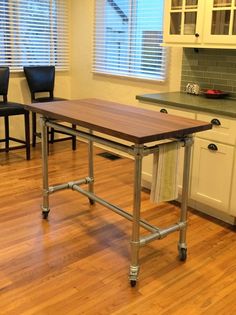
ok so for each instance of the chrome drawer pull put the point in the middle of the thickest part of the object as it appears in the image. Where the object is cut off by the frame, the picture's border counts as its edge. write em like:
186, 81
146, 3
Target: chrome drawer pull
215, 122
212, 147
163, 110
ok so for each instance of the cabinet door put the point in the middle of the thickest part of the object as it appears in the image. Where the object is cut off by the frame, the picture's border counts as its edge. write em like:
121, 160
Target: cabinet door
183, 21
211, 174
220, 26
233, 192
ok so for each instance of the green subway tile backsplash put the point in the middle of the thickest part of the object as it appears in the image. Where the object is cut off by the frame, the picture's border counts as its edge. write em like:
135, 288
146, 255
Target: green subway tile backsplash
210, 68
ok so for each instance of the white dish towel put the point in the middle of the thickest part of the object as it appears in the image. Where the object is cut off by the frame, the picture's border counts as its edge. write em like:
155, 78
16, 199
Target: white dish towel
165, 172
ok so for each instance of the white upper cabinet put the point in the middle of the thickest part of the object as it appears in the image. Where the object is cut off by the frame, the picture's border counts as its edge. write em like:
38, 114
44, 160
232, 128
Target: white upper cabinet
200, 23
183, 21
220, 22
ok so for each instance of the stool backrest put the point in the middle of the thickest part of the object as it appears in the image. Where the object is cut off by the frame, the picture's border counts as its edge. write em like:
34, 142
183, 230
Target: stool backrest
4, 82
40, 79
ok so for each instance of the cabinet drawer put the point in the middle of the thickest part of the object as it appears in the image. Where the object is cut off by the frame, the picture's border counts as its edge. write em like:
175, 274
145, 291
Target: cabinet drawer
223, 129
176, 112
168, 110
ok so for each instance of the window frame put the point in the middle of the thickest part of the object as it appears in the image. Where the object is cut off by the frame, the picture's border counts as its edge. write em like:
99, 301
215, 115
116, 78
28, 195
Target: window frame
101, 66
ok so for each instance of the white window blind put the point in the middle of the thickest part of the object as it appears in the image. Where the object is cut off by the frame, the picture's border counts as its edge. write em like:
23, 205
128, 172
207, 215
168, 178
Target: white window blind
34, 32
127, 39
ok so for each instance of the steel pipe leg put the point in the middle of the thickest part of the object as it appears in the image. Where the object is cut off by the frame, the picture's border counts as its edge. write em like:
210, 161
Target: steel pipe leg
182, 246
91, 168
135, 239
44, 145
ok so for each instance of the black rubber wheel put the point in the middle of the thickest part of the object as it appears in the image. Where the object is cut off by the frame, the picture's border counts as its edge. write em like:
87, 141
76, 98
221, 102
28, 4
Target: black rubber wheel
91, 201
183, 254
45, 214
133, 283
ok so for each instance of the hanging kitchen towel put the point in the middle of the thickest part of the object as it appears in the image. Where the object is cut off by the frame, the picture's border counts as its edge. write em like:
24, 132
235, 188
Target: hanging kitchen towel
165, 172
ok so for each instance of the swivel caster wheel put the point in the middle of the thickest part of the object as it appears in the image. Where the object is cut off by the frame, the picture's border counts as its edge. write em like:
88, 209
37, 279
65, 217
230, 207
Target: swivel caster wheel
183, 254
91, 201
45, 214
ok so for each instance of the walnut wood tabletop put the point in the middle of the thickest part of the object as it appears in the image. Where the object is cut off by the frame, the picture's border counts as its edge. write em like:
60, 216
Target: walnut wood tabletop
122, 121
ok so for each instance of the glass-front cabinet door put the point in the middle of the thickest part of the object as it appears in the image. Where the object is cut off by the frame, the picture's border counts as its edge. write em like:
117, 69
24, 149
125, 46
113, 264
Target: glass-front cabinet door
183, 21
220, 27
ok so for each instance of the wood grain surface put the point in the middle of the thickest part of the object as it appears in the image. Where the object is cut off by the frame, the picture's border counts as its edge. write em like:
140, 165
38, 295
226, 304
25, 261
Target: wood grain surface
122, 121
77, 262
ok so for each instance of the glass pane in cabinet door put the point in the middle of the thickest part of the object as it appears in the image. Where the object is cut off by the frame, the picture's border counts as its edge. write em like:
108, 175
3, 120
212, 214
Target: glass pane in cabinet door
175, 23
191, 4
220, 22
176, 4
222, 3
190, 23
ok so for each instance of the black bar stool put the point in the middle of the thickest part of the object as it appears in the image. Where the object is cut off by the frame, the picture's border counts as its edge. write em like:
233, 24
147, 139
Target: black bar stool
41, 79
8, 109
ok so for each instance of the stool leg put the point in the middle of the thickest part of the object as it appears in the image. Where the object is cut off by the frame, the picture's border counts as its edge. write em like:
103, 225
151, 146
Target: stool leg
52, 135
74, 139
48, 134
27, 135
6, 119
33, 129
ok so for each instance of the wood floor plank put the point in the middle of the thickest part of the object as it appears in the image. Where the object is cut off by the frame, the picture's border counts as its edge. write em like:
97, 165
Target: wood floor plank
77, 261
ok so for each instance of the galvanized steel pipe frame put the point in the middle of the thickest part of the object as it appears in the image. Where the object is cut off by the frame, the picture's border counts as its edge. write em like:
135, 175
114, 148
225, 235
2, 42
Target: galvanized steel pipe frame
138, 151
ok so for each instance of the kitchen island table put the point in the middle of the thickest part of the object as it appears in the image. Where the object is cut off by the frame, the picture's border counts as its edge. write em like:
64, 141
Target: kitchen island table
137, 126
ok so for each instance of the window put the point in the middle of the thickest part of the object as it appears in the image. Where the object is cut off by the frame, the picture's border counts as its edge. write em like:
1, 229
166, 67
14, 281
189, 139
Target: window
34, 32
127, 39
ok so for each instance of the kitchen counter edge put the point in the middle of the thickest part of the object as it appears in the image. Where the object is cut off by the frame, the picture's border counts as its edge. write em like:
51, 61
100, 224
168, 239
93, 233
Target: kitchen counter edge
180, 100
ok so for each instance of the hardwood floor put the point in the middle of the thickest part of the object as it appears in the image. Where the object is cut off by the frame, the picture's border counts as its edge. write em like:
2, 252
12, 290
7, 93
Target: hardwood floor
77, 262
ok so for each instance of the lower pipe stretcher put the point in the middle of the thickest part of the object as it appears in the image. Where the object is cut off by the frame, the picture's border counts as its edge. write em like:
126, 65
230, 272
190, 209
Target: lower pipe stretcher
137, 126
138, 152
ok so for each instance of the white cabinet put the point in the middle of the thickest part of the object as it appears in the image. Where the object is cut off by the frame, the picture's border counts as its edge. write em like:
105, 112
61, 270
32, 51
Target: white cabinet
183, 21
212, 173
200, 23
233, 191
220, 22
213, 163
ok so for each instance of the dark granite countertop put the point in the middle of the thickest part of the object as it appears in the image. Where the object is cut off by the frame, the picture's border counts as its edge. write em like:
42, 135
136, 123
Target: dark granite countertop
180, 100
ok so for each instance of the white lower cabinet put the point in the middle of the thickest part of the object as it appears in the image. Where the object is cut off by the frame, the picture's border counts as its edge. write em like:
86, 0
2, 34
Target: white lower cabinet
212, 173
233, 192
213, 166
